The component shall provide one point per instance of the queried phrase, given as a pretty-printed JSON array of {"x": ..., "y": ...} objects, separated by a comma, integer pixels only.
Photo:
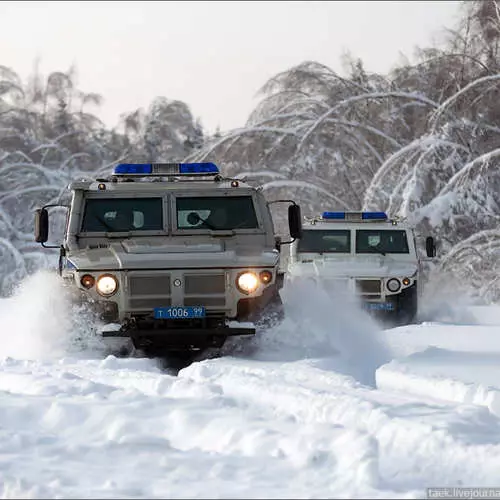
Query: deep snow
[{"x": 326, "y": 405}]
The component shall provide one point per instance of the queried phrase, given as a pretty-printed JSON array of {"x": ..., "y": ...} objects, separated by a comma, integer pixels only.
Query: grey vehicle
[{"x": 172, "y": 256}]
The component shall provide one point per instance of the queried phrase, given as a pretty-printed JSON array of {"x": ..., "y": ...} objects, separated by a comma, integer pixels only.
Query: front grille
[
  {"x": 368, "y": 287},
  {"x": 205, "y": 301},
  {"x": 337, "y": 284},
  {"x": 149, "y": 285},
  {"x": 204, "y": 284},
  {"x": 207, "y": 290},
  {"x": 148, "y": 291}
]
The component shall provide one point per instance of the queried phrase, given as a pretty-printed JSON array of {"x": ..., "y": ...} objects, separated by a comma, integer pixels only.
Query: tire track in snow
[
  {"x": 420, "y": 442},
  {"x": 156, "y": 425}
]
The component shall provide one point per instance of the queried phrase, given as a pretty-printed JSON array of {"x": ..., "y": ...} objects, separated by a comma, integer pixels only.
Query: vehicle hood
[
  {"x": 373, "y": 266},
  {"x": 133, "y": 255}
]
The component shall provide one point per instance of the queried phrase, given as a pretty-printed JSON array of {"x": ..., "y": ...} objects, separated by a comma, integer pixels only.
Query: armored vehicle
[
  {"x": 362, "y": 253},
  {"x": 172, "y": 256}
]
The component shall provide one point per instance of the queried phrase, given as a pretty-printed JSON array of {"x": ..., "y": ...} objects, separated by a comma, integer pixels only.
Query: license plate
[
  {"x": 179, "y": 312},
  {"x": 379, "y": 306}
]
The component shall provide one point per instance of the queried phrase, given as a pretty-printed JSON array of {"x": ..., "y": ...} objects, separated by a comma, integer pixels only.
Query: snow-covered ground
[{"x": 326, "y": 405}]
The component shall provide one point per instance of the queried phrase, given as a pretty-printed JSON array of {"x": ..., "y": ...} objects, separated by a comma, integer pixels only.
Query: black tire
[
  {"x": 405, "y": 317},
  {"x": 171, "y": 359},
  {"x": 406, "y": 306}
]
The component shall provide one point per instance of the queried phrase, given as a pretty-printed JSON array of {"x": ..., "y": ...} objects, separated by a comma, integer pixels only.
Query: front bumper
[
  {"x": 170, "y": 336},
  {"x": 180, "y": 332}
]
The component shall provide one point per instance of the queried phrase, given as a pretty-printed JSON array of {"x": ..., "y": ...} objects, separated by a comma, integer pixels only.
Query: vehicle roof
[
  {"x": 319, "y": 224},
  {"x": 159, "y": 185}
]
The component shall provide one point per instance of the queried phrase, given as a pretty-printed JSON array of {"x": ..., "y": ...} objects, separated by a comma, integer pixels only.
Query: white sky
[{"x": 212, "y": 55}]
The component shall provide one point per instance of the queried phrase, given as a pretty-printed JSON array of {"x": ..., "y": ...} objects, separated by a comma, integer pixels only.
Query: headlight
[
  {"x": 247, "y": 282},
  {"x": 107, "y": 285},
  {"x": 393, "y": 285}
]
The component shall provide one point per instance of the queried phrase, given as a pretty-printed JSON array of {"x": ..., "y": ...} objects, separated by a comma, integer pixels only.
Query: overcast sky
[{"x": 212, "y": 55}]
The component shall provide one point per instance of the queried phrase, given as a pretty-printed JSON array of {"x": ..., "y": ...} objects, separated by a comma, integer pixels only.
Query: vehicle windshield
[
  {"x": 325, "y": 241},
  {"x": 381, "y": 241},
  {"x": 216, "y": 213},
  {"x": 122, "y": 215}
]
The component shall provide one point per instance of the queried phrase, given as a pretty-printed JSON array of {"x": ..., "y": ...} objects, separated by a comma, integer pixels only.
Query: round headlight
[
  {"x": 393, "y": 285},
  {"x": 87, "y": 281},
  {"x": 406, "y": 281},
  {"x": 107, "y": 285},
  {"x": 247, "y": 282}
]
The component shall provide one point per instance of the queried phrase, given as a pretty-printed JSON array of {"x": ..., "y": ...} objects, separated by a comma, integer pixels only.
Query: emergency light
[
  {"x": 165, "y": 169},
  {"x": 354, "y": 216}
]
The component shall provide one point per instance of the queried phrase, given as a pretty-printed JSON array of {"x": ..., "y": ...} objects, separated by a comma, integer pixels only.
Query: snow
[
  {"x": 327, "y": 405},
  {"x": 470, "y": 378},
  {"x": 452, "y": 362}
]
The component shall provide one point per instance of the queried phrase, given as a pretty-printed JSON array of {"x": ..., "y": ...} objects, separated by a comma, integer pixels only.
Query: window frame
[
  {"x": 219, "y": 194},
  {"x": 117, "y": 234},
  {"x": 343, "y": 230},
  {"x": 372, "y": 230}
]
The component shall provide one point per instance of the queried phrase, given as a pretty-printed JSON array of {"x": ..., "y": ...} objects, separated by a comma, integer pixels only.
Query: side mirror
[
  {"x": 430, "y": 246},
  {"x": 41, "y": 225},
  {"x": 295, "y": 221}
]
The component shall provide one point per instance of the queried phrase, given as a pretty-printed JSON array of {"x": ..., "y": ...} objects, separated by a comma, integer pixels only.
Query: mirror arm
[
  {"x": 56, "y": 205},
  {"x": 50, "y": 246}
]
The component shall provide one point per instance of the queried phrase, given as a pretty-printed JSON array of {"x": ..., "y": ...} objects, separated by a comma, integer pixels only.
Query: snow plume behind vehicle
[
  {"x": 447, "y": 299},
  {"x": 39, "y": 321},
  {"x": 329, "y": 327}
]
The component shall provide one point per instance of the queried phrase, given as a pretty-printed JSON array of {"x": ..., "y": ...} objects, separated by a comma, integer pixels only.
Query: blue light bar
[
  {"x": 198, "y": 168},
  {"x": 333, "y": 215},
  {"x": 354, "y": 216},
  {"x": 166, "y": 169},
  {"x": 374, "y": 215},
  {"x": 133, "y": 169}
]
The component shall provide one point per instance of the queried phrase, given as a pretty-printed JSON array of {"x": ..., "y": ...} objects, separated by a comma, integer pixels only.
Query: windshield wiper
[
  {"x": 377, "y": 250},
  {"x": 195, "y": 218}
]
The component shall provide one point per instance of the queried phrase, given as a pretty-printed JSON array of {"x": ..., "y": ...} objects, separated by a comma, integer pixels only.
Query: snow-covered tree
[{"x": 48, "y": 139}]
